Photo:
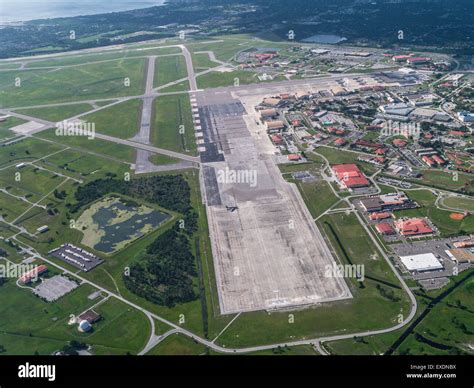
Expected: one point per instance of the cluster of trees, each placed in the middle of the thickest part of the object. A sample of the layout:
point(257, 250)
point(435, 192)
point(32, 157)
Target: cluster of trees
point(164, 274)
point(169, 191)
point(388, 294)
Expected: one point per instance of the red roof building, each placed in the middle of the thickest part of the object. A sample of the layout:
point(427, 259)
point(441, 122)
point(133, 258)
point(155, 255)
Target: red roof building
point(336, 131)
point(430, 162)
point(380, 216)
point(294, 157)
point(30, 275)
point(457, 133)
point(276, 138)
point(438, 160)
point(399, 143)
point(413, 227)
point(400, 58)
point(350, 176)
point(340, 142)
point(385, 228)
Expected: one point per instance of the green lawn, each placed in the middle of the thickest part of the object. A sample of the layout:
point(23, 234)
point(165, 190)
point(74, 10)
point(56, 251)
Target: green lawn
point(56, 113)
point(318, 196)
point(79, 164)
point(122, 77)
point(177, 345)
point(30, 325)
point(7, 124)
point(455, 181)
point(121, 120)
point(119, 152)
point(443, 325)
point(459, 203)
point(169, 69)
point(26, 150)
point(170, 112)
point(67, 60)
point(201, 62)
point(215, 79)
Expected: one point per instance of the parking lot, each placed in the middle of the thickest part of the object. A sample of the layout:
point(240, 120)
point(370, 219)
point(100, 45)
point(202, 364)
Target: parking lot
point(438, 248)
point(53, 288)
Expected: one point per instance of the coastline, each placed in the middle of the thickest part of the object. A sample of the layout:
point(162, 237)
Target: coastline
point(9, 22)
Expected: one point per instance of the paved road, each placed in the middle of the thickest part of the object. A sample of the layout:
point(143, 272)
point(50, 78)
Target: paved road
point(190, 68)
point(143, 135)
point(148, 147)
point(155, 340)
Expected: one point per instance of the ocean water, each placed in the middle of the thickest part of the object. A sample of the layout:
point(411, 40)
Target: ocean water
point(22, 10)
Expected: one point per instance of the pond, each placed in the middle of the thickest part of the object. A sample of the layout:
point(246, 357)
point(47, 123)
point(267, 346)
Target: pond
point(112, 223)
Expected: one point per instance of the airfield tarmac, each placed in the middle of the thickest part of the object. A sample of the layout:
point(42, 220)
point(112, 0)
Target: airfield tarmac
point(268, 252)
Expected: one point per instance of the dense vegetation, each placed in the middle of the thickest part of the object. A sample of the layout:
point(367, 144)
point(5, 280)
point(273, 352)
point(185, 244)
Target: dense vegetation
point(169, 191)
point(444, 24)
point(164, 274)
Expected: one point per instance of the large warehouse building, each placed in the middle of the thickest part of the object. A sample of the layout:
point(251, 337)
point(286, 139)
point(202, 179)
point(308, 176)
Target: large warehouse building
point(421, 263)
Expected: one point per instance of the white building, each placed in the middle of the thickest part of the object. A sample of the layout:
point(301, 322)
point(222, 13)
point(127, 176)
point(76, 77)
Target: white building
point(421, 262)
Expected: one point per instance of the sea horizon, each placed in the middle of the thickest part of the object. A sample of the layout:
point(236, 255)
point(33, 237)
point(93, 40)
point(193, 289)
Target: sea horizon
point(17, 11)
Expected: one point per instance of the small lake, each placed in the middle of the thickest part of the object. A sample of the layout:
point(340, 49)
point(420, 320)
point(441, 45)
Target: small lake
point(113, 223)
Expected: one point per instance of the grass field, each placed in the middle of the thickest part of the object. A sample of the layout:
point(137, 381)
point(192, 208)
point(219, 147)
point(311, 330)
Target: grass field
point(7, 124)
point(124, 77)
point(29, 325)
point(443, 326)
point(79, 165)
point(459, 203)
point(201, 61)
point(170, 113)
point(317, 195)
point(158, 159)
point(26, 150)
point(56, 113)
point(68, 60)
point(224, 47)
point(448, 180)
point(169, 69)
point(177, 345)
point(120, 120)
point(215, 79)
point(96, 146)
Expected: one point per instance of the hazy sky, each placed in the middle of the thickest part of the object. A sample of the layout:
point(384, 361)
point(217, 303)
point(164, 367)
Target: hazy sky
point(19, 10)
